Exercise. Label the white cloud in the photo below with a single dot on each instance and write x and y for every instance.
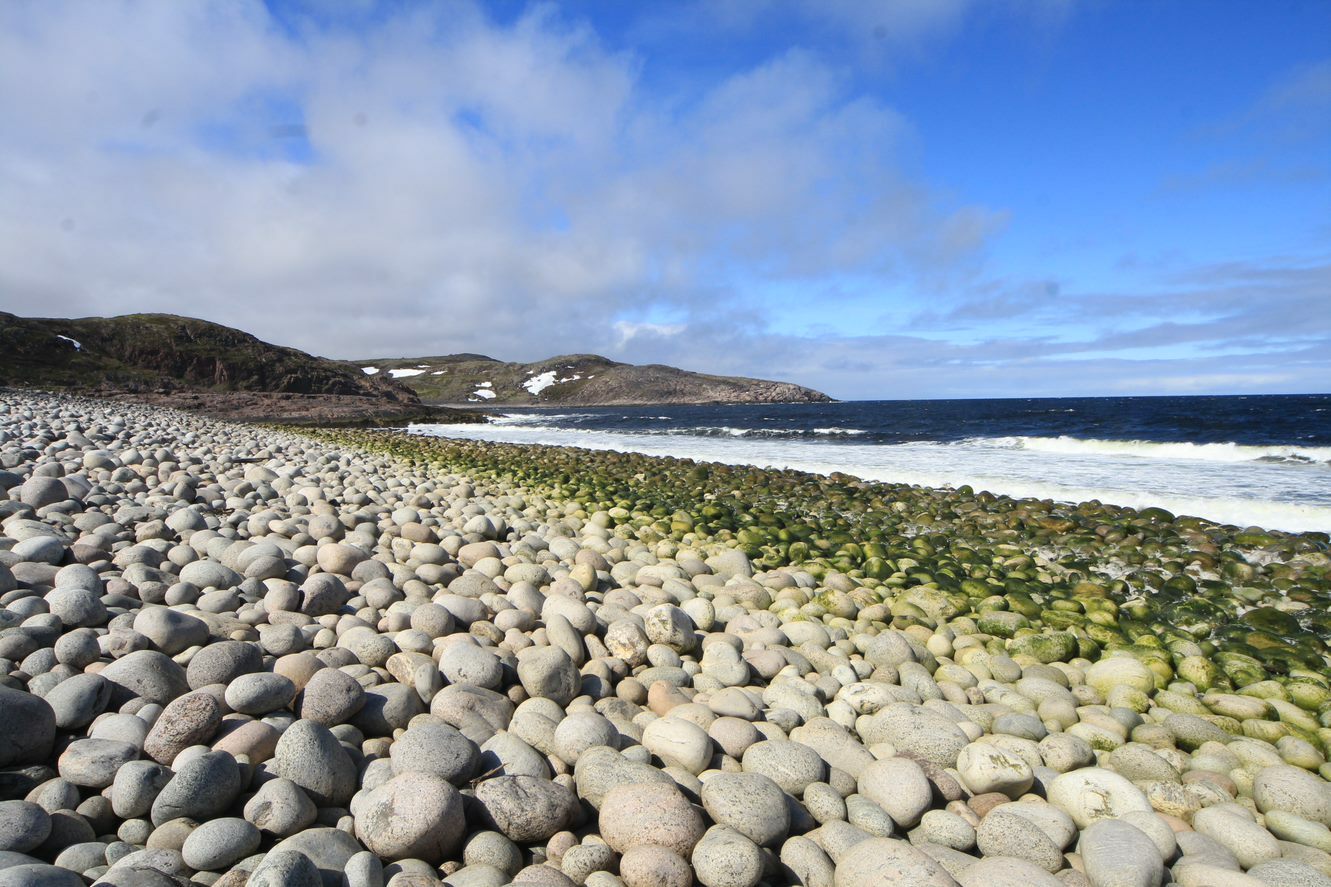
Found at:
(428, 182)
(628, 331)
(432, 182)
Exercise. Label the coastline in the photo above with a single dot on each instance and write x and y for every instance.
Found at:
(1269, 486)
(536, 639)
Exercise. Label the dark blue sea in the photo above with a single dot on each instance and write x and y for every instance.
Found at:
(1262, 460)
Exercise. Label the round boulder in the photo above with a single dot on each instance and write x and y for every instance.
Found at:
(412, 816)
(650, 813)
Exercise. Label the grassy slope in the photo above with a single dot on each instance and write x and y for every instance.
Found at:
(163, 351)
(590, 379)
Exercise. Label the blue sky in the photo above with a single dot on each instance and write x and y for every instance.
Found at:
(905, 198)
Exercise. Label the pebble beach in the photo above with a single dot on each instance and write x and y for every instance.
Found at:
(243, 655)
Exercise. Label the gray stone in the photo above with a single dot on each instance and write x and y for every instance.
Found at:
(92, 763)
(580, 731)
(791, 765)
(602, 768)
(329, 849)
(77, 607)
(1288, 873)
(219, 843)
(899, 786)
(915, 731)
(137, 784)
(281, 808)
(39, 491)
(412, 816)
(39, 875)
(642, 866)
(1294, 790)
(323, 594)
(1092, 793)
(310, 756)
(364, 870)
(78, 699)
(27, 730)
(331, 697)
(201, 789)
(1234, 828)
(147, 674)
(494, 850)
(985, 768)
(887, 862)
(388, 707)
(750, 804)
(679, 741)
(804, 862)
(222, 662)
(289, 868)
(1003, 832)
(209, 574)
(466, 663)
(23, 826)
(548, 672)
(505, 754)
(526, 808)
(82, 857)
(1003, 871)
(171, 631)
(670, 626)
(259, 693)
(650, 813)
(1116, 854)
(435, 747)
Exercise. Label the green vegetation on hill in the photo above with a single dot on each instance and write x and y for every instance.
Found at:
(148, 352)
(580, 379)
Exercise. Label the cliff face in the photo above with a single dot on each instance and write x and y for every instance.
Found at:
(575, 380)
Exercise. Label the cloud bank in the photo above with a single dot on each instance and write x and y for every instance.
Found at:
(428, 179)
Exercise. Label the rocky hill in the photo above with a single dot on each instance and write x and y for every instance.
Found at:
(576, 380)
(195, 364)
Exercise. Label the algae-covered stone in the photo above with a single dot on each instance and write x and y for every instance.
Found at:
(1051, 646)
(1114, 671)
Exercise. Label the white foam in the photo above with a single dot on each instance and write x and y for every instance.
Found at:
(78, 346)
(403, 374)
(1143, 449)
(369, 371)
(1277, 495)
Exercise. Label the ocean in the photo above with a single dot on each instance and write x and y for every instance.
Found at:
(1245, 460)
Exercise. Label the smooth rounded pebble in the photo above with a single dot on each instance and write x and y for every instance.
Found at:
(650, 813)
(412, 816)
(886, 862)
(749, 803)
(217, 844)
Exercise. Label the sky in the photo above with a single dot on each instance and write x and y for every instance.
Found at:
(876, 198)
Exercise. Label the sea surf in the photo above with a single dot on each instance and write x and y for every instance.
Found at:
(1245, 460)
